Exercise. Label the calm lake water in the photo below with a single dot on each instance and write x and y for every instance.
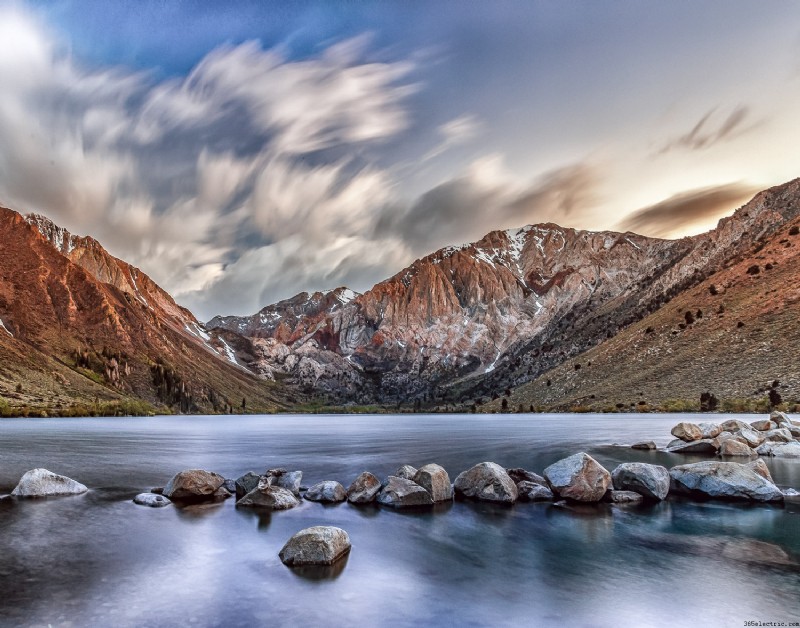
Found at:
(99, 560)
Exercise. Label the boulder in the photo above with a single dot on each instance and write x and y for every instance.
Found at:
(530, 492)
(43, 483)
(674, 443)
(152, 500)
(644, 445)
(623, 497)
(364, 489)
(704, 446)
(779, 435)
(578, 477)
(403, 493)
(229, 485)
(268, 496)
(781, 418)
(687, 432)
(435, 480)
(649, 480)
(780, 450)
(752, 437)
(733, 447)
(709, 430)
(290, 480)
(246, 483)
(486, 481)
(734, 425)
(406, 471)
(726, 480)
(318, 545)
(521, 475)
(760, 467)
(764, 425)
(328, 491)
(194, 485)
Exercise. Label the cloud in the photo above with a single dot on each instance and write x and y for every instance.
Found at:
(453, 133)
(711, 129)
(682, 212)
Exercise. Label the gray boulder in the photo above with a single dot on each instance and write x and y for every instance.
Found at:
(403, 493)
(530, 492)
(704, 446)
(646, 445)
(733, 447)
(649, 480)
(764, 425)
(152, 500)
(44, 483)
(364, 489)
(578, 477)
(290, 480)
(779, 435)
(760, 467)
(194, 485)
(406, 471)
(709, 430)
(268, 496)
(781, 418)
(623, 497)
(435, 480)
(687, 432)
(734, 425)
(319, 545)
(486, 481)
(246, 483)
(780, 450)
(521, 475)
(752, 437)
(328, 491)
(674, 443)
(726, 480)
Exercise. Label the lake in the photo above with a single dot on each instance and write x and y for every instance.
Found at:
(99, 560)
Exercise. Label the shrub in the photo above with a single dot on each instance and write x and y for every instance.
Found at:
(794, 230)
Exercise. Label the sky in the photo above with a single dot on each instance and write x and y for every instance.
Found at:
(242, 152)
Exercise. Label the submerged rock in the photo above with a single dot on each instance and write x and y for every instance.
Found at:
(530, 492)
(649, 480)
(364, 489)
(434, 479)
(578, 477)
(406, 471)
(268, 496)
(44, 483)
(152, 500)
(328, 491)
(646, 445)
(727, 480)
(486, 481)
(194, 485)
(687, 432)
(318, 545)
(403, 493)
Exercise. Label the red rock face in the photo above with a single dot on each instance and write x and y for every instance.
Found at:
(501, 309)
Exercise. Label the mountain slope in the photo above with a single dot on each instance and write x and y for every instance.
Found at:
(467, 321)
(80, 325)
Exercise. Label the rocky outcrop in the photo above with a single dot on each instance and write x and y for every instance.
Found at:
(649, 480)
(436, 481)
(531, 492)
(403, 493)
(326, 492)
(152, 500)
(193, 485)
(579, 477)
(44, 483)
(318, 545)
(364, 489)
(486, 481)
(269, 497)
(724, 480)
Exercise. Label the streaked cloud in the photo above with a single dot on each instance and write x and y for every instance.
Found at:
(713, 127)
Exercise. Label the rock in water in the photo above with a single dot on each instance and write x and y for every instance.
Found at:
(194, 485)
(733, 447)
(709, 430)
(152, 500)
(727, 480)
(579, 477)
(687, 432)
(649, 480)
(290, 480)
(402, 493)
(328, 491)
(764, 425)
(364, 489)
(487, 481)
(760, 467)
(623, 497)
(319, 545)
(247, 483)
(435, 480)
(778, 435)
(521, 475)
(704, 446)
(780, 450)
(43, 483)
(267, 496)
(646, 445)
(530, 492)
(406, 471)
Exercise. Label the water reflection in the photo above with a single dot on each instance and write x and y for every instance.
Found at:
(320, 572)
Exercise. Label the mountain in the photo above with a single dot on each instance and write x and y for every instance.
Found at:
(83, 328)
(472, 320)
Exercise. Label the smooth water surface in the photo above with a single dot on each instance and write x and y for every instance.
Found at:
(99, 560)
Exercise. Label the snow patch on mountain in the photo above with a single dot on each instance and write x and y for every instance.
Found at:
(5, 329)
